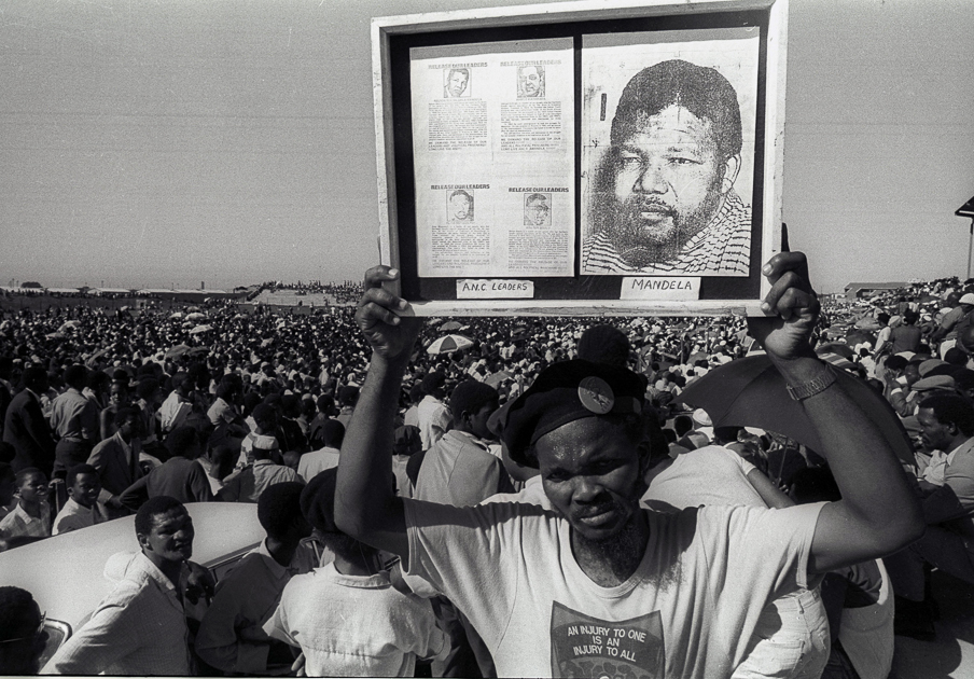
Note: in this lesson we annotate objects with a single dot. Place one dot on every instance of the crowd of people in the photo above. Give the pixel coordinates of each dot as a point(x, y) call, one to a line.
point(428, 513)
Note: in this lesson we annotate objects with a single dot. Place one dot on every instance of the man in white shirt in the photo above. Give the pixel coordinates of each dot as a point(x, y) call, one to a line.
point(140, 628)
point(600, 585)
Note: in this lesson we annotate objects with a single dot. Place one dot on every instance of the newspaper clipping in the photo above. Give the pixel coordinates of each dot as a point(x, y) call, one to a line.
point(493, 143)
point(668, 124)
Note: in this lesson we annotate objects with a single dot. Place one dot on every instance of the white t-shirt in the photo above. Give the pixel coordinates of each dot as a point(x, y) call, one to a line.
point(688, 610)
point(354, 625)
point(711, 475)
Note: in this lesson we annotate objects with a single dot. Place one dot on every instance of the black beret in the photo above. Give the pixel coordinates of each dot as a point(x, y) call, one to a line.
point(565, 392)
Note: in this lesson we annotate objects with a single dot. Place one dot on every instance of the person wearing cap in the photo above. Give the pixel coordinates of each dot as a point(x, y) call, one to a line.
point(600, 585)
point(346, 616)
point(265, 424)
point(946, 426)
point(247, 484)
point(433, 414)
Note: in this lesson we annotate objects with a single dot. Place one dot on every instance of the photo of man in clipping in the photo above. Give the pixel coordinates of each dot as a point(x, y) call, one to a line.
point(664, 199)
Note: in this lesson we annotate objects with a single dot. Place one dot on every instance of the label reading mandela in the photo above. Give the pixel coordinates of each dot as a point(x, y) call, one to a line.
point(583, 646)
point(676, 288)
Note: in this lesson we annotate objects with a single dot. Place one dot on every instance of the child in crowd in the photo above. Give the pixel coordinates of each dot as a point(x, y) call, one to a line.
point(346, 617)
point(30, 519)
point(82, 508)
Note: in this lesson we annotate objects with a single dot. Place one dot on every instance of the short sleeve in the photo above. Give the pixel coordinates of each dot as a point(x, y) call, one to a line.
point(470, 554)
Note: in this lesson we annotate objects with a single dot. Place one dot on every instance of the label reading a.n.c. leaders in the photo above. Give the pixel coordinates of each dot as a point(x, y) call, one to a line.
point(494, 288)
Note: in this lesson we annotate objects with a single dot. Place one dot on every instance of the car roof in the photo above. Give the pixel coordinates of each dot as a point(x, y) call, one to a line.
point(64, 573)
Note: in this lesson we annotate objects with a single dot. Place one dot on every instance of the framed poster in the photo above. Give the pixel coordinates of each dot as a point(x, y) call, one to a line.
point(581, 158)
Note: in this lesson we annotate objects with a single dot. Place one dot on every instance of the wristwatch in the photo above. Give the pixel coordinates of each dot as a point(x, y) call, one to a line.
point(812, 387)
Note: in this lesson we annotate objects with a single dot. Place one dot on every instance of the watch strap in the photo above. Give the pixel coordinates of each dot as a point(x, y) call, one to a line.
point(814, 386)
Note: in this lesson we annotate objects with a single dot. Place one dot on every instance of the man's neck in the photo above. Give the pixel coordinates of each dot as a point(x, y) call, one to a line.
point(32, 509)
point(171, 569)
point(282, 552)
point(611, 562)
point(958, 442)
point(365, 565)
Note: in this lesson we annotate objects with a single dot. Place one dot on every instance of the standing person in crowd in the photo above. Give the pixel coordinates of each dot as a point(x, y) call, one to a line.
point(82, 508)
point(433, 414)
point(6, 389)
point(22, 634)
point(117, 459)
point(906, 337)
point(179, 477)
point(684, 589)
point(411, 417)
point(313, 463)
point(326, 407)
point(119, 396)
point(175, 410)
point(149, 397)
point(30, 519)
point(247, 484)
point(459, 470)
point(217, 461)
point(346, 617)
point(74, 419)
point(26, 428)
point(140, 628)
point(231, 636)
point(265, 425)
point(224, 411)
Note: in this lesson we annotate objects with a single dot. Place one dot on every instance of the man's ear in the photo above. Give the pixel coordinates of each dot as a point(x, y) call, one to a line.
point(732, 166)
point(143, 541)
point(646, 461)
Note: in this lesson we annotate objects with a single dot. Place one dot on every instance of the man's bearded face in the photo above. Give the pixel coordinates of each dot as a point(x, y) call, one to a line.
point(668, 179)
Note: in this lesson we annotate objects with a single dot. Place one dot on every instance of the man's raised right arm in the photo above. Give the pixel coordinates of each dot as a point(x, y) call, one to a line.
point(366, 507)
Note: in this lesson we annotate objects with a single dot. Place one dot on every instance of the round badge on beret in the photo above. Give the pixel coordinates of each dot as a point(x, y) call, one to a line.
point(596, 395)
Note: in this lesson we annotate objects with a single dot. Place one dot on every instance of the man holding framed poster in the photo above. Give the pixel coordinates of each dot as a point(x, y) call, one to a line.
point(664, 199)
point(596, 585)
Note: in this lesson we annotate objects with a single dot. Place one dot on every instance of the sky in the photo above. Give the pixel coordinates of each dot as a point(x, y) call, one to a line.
point(169, 143)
